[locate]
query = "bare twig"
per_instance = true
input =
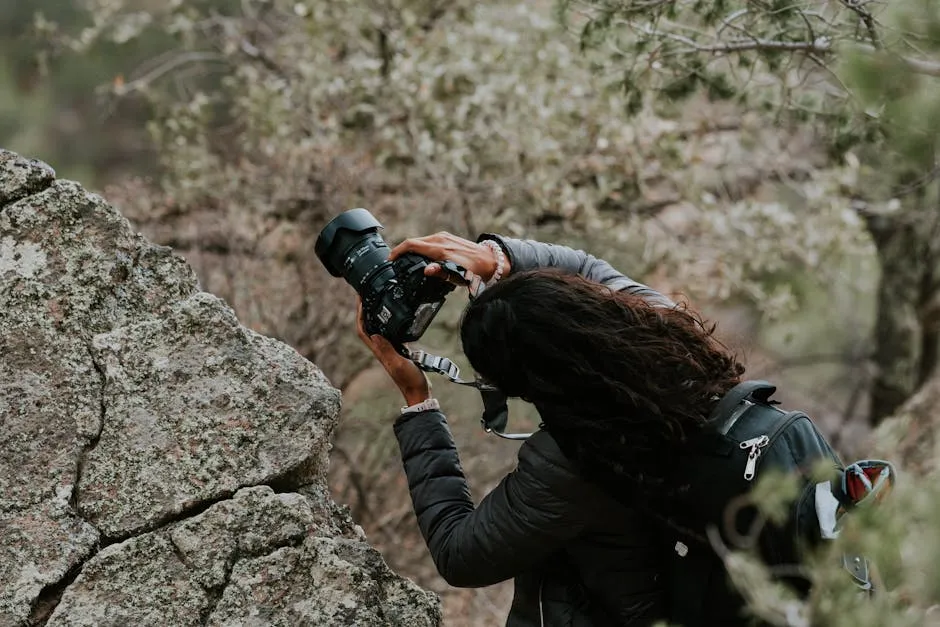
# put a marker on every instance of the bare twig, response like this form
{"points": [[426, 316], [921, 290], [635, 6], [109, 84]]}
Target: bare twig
{"points": [[918, 183], [809, 26], [867, 19], [820, 46], [817, 46], [259, 55], [171, 64], [727, 22]]}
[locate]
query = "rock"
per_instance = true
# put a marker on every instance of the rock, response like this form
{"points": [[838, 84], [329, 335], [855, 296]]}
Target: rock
{"points": [[195, 407], [270, 589], [49, 399], [259, 558], [20, 177], [265, 268], [909, 437], [159, 462]]}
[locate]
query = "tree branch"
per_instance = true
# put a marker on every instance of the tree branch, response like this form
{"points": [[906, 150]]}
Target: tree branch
{"points": [[918, 66], [820, 45], [252, 51], [179, 60], [867, 19]]}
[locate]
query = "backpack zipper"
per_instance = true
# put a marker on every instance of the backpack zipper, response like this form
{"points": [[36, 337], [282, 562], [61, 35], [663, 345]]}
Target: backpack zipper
{"points": [[755, 445]]}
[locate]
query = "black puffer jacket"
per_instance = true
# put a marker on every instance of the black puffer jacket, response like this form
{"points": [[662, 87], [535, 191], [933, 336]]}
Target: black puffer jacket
{"points": [[578, 557]]}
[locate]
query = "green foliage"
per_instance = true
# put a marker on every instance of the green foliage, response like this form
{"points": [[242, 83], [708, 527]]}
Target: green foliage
{"points": [[900, 83], [50, 100], [489, 102], [774, 54]]}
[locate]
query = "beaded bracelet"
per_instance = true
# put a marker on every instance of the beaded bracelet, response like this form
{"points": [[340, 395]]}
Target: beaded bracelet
{"points": [[500, 260]]}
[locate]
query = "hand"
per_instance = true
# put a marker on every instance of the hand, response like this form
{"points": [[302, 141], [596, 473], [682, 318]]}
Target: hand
{"points": [[476, 258], [407, 376]]}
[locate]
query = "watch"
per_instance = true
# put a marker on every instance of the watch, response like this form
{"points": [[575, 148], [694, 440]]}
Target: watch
{"points": [[425, 405]]}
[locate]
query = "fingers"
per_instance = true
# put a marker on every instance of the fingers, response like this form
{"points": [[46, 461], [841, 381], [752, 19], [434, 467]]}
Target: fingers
{"points": [[419, 245], [435, 270], [376, 343], [434, 246]]}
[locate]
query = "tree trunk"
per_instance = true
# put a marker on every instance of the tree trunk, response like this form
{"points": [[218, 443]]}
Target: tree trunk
{"points": [[907, 336]]}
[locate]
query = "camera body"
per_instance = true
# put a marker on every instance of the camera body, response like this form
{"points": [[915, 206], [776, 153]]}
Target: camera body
{"points": [[398, 300]]}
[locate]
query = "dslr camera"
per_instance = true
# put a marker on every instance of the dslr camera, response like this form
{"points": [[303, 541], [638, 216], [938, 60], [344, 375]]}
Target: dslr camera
{"points": [[398, 300]]}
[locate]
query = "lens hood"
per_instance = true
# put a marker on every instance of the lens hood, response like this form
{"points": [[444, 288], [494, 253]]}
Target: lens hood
{"points": [[355, 220]]}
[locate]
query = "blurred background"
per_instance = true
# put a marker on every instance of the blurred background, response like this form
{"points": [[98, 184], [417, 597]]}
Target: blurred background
{"points": [[772, 163]]}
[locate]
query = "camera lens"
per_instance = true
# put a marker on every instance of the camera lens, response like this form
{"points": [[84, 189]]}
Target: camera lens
{"points": [[398, 300], [351, 247]]}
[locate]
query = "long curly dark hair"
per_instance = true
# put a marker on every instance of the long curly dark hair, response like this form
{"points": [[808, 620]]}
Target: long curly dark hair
{"points": [[619, 382]]}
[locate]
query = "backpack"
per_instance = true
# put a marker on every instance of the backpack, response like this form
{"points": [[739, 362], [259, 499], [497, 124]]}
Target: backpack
{"points": [[745, 437]]}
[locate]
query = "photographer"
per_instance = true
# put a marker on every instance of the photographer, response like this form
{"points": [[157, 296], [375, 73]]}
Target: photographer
{"points": [[616, 373]]}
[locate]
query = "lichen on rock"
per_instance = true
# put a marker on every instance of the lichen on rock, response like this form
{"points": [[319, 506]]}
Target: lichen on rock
{"points": [[197, 406], [159, 463], [258, 558]]}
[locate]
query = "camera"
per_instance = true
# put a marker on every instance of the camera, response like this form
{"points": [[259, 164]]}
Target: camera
{"points": [[398, 300]]}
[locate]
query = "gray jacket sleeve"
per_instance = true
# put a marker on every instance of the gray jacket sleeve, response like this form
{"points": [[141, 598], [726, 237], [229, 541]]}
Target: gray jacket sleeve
{"points": [[526, 254]]}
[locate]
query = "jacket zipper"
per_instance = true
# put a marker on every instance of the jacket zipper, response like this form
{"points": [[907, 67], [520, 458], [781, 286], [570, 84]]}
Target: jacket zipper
{"points": [[541, 610]]}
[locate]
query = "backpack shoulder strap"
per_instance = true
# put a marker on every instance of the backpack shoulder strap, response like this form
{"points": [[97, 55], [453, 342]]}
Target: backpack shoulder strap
{"points": [[736, 401]]}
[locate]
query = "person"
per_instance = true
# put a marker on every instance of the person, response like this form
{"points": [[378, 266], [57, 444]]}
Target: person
{"points": [[618, 372]]}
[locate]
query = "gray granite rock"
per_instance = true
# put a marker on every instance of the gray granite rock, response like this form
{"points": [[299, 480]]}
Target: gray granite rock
{"points": [[21, 177], [197, 406], [353, 584], [160, 464], [259, 558]]}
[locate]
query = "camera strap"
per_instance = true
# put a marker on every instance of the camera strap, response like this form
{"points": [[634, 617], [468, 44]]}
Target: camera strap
{"points": [[495, 404]]}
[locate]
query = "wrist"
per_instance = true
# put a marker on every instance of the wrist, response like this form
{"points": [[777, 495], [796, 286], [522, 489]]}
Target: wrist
{"points": [[413, 397], [498, 263]]}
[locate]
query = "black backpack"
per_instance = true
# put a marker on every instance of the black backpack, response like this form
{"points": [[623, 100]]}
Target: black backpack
{"points": [[745, 437]]}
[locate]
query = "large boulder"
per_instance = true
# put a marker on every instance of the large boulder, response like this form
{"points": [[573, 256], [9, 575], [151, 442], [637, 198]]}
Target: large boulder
{"points": [[159, 463]]}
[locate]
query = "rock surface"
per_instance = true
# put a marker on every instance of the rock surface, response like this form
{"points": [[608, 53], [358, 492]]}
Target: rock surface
{"points": [[159, 463], [910, 436]]}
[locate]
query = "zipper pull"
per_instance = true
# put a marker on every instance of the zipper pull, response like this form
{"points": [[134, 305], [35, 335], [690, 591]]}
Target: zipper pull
{"points": [[755, 444]]}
